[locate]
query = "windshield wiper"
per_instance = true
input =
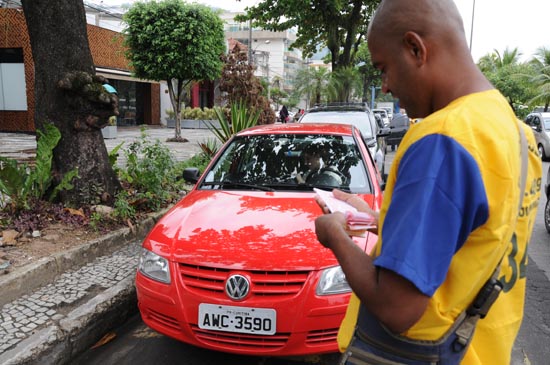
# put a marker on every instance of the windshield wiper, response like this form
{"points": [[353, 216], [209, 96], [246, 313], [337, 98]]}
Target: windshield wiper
{"points": [[238, 184], [307, 186]]}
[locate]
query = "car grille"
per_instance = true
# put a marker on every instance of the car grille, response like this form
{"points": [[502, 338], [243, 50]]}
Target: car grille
{"points": [[209, 280], [240, 340], [321, 337]]}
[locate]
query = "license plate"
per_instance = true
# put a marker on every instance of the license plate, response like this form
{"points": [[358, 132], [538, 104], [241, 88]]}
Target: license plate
{"points": [[258, 321]]}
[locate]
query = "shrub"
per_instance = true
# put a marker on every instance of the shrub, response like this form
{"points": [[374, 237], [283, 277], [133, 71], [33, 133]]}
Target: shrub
{"points": [[198, 114], [240, 118], [151, 173], [22, 183]]}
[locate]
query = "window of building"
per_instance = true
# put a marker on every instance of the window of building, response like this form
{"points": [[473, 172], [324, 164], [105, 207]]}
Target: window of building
{"points": [[13, 89]]}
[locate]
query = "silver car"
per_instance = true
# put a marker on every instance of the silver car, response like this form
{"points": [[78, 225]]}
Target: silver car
{"points": [[359, 115], [383, 114], [540, 122]]}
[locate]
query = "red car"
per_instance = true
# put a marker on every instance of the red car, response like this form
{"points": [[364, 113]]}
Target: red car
{"points": [[235, 266]]}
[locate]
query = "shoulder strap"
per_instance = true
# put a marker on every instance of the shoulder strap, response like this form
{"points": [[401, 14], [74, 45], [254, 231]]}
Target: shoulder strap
{"points": [[524, 154]]}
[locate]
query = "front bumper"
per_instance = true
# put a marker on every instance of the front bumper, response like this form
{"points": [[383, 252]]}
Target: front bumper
{"points": [[306, 323]]}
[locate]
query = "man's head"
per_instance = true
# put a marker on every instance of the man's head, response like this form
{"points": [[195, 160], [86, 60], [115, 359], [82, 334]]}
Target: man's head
{"points": [[421, 50]]}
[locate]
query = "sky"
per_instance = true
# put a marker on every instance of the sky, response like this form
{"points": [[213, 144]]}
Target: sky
{"points": [[498, 24]]}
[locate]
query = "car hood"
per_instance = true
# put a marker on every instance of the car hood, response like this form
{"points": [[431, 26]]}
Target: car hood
{"points": [[238, 230]]}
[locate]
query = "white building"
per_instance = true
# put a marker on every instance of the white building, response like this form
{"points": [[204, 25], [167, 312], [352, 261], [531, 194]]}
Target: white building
{"points": [[270, 51]]}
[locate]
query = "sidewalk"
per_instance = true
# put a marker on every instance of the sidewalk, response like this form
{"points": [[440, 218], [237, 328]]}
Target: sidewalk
{"points": [[56, 308], [21, 146]]}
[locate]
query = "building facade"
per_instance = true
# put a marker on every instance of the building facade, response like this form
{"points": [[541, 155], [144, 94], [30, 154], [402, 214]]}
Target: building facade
{"points": [[139, 99], [269, 51]]}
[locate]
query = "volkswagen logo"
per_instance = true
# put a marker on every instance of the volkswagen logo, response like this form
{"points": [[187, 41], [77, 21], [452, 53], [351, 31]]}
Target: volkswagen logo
{"points": [[237, 287]]}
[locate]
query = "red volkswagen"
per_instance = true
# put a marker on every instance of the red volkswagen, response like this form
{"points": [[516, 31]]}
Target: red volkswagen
{"points": [[235, 266]]}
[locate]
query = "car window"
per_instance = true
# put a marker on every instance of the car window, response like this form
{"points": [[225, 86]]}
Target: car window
{"points": [[547, 124], [359, 119], [276, 160]]}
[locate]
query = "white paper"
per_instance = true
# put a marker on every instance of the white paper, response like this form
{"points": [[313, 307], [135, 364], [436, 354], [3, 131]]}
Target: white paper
{"points": [[333, 204]]}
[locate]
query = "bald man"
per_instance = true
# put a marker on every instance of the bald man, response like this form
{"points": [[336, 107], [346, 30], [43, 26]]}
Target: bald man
{"points": [[450, 209]]}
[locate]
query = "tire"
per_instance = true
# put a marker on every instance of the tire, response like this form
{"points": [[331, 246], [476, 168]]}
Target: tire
{"points": [[547, 215]]}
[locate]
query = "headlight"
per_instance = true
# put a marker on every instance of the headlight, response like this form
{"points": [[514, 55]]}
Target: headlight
{"points": [[154, 266], [333, 281]]}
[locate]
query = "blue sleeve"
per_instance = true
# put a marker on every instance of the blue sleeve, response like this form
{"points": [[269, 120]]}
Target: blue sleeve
{"points": [[438, 199]]}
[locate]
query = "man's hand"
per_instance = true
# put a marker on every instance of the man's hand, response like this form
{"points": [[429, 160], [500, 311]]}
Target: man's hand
{"points": [[330, 228], [352, 199]]}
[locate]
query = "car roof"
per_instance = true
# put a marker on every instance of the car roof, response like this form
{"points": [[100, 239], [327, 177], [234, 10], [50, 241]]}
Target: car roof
{"points": [[299, 128], [340, 106]]}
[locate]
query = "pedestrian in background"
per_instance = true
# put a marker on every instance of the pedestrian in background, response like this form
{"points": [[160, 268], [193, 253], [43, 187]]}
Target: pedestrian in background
{"points": [[283, 114], [449, 226], [298, 114]]}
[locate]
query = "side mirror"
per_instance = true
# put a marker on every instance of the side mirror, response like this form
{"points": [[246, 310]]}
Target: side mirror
{"points": [[191, 175]]}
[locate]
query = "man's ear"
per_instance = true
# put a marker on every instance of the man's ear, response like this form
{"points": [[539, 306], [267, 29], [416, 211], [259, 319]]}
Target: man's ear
{"points": [[415, 47]]}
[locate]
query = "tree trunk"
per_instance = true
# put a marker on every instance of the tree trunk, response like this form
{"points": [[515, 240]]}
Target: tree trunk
{"points": [[71, 97]]}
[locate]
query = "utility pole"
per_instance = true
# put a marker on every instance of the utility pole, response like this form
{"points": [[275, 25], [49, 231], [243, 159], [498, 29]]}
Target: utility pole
{"points": [[472, 26], [268, 82], [250, 42]]}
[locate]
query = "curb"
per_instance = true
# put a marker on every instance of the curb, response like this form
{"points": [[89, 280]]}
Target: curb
{"points": [[62, 340]]}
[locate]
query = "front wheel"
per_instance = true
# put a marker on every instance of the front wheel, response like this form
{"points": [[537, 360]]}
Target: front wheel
{"points": [[547, 215]]}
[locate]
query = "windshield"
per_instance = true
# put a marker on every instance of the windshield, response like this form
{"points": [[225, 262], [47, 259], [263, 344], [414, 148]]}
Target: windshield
{"points": [[285, 162], [359, 119], [546, 124]]}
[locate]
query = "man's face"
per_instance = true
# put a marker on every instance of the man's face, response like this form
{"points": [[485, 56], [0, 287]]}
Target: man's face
{"points": [[398, 73], [312, 161]]}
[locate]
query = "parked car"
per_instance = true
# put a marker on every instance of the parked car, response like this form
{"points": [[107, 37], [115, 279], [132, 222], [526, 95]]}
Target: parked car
{"points": [[389, 111], [235, 266], [362, 117], [547, 207], [383, 114], [540, 122], [399, 125]]}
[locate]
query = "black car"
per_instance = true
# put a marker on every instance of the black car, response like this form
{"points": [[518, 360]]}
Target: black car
{"points": [[399, 125]]}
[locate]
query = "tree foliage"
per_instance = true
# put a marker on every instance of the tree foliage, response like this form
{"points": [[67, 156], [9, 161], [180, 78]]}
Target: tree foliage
{"points": [[541, 77], [241, 85], [174, 41], [510, 77], [339, 25], [312, 82], [345, 85], [370, 76]]}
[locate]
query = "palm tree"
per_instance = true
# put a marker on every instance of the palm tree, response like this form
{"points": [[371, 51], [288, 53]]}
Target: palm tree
{"points": [[312, 81], [541, 64], [508, 75], [345, 84], [495, 61]]}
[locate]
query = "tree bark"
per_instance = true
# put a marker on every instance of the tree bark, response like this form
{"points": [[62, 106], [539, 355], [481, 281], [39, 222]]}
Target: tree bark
{"points": [[71, 97]]}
